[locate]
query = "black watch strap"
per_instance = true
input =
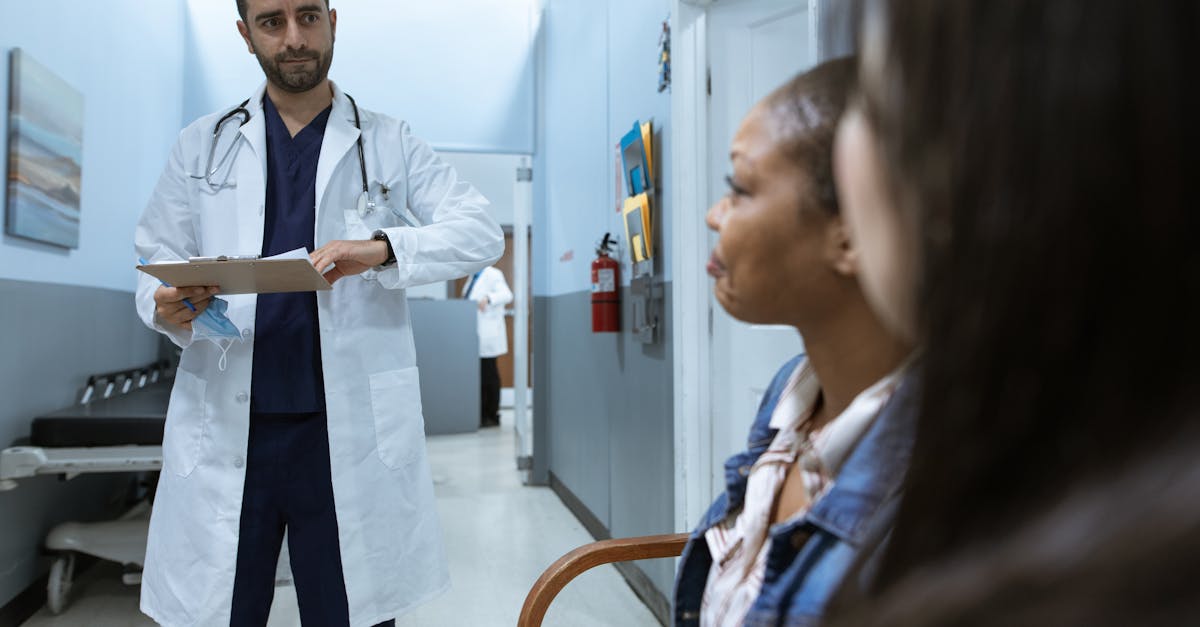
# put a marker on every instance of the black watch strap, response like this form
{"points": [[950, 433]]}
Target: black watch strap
{"points": [[391, 254]]}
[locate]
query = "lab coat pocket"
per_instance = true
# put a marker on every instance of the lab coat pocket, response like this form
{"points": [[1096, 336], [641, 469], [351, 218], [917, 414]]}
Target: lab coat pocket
{"points": [[356, 228], [186, 417], [396, 405]]}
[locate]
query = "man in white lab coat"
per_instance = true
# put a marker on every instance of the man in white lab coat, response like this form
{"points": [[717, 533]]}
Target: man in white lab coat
{"points": [[303, 412], [490, 291]]}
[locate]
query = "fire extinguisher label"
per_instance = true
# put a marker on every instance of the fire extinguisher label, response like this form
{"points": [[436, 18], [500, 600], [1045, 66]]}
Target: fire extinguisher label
{"points": [[606, 281]]}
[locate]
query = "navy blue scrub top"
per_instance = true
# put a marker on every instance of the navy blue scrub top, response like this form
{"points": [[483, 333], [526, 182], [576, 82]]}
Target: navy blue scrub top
{"points": [[287, 375]]}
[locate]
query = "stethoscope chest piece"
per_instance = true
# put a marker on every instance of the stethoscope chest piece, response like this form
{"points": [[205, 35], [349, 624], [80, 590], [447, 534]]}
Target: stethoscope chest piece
{"points": [[366, 205]]}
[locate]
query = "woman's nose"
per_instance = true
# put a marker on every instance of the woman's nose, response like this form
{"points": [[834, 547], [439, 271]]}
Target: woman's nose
{"points": [[715, 215]]}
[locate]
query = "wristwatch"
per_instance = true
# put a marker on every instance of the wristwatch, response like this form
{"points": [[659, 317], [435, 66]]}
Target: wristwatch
{"points": [[391, 254]]}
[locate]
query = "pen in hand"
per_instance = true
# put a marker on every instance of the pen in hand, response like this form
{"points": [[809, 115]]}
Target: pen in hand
{"points": [[143, 261]]}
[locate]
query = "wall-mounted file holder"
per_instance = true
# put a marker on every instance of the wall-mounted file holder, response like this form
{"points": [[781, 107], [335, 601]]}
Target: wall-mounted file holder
{"points": [[638, 215]]}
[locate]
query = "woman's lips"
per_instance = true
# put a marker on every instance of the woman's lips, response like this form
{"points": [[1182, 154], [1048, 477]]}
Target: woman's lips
{"points": [[715, 268]]}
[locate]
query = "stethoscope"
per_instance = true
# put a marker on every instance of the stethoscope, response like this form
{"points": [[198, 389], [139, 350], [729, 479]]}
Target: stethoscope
{"points": [[366, 204]]}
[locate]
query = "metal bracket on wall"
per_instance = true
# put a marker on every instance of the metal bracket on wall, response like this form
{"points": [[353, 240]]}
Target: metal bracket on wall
{"points": [[646, 298], [107, 383]]}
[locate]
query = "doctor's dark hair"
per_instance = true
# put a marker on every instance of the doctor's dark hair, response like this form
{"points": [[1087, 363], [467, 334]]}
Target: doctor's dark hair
{"points": [[241, 7], [1040, 146], [806, 111]]}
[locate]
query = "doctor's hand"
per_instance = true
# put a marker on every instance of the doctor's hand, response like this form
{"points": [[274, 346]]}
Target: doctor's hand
{"points": [[169, 305], [351, 256]]}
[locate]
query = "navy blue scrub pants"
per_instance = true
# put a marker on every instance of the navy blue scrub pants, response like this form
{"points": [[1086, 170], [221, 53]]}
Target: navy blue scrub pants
{"points": [[288, 486]]}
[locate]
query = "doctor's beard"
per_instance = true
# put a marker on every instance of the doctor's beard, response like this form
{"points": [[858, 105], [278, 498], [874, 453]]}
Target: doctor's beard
{"points": [[296, 81]]}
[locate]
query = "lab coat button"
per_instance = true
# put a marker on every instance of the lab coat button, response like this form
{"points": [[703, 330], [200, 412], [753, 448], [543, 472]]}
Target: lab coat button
{"points": [[247, 334], [238, 462], [242, 397]]}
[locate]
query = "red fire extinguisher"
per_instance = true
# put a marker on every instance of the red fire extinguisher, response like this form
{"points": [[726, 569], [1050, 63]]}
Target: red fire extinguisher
{"points": [[606, 281]]}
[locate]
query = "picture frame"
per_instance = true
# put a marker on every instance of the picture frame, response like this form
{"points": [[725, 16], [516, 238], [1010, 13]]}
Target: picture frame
{"points": [[45, 154]]}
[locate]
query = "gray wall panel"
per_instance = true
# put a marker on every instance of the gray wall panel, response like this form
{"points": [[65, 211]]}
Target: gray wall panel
{"points": [[642, 473], [51, 338], [605, 414], [544, 378], [839, 26], [447, 344], [583, 364]]}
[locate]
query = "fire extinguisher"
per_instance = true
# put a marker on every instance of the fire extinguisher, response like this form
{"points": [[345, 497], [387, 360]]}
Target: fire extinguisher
{"points": [[606, 280]]}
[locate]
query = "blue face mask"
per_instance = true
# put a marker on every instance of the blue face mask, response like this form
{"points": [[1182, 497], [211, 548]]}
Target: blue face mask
{"points": [[213, 325]]}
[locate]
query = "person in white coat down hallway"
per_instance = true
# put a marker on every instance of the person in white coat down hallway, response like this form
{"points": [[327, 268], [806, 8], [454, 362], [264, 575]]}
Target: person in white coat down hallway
{"points": [[490, 291], [300, 412]]}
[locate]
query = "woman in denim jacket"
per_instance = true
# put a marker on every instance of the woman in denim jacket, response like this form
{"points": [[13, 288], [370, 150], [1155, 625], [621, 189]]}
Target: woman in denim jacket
{"points": [[831, 440]]}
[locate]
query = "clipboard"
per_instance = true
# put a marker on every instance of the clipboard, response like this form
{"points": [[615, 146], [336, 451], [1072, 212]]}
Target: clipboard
{"points": [[242, 276]]}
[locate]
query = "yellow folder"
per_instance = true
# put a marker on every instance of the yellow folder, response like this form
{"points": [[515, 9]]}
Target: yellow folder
{"points": [[648, 146], [638, 230]]}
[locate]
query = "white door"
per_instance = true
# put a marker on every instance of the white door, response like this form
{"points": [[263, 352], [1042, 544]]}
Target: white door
{"points": [[753, 47]]}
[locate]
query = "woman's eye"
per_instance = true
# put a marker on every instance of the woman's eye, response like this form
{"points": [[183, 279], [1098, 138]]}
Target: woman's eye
{"points": [[734, 188]]}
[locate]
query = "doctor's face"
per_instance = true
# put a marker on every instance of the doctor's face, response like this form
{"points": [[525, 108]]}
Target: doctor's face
{"points": [[292, 39]]}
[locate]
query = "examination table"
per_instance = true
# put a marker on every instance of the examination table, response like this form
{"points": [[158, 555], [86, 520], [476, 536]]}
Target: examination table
{"points": [[117, 427]]}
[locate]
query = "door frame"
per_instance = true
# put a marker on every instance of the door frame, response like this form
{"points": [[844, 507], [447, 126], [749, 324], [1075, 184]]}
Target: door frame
{"points": [[689, 240], [691, 307]]}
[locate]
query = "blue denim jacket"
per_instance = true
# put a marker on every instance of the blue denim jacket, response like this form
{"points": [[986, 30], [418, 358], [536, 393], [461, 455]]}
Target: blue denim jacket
{"points": [[808, 557]]}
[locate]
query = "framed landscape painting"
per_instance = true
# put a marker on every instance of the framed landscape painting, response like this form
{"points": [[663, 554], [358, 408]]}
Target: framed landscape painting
{"points": [[45, 150]]}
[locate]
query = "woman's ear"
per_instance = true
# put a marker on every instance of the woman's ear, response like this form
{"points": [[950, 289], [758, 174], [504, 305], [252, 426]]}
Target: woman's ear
{"points": [[840, 250]]}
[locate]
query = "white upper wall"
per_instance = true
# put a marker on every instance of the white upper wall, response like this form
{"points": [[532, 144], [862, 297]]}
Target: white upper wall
{"points": [[125, 57], [461, 72], [494, 176]]}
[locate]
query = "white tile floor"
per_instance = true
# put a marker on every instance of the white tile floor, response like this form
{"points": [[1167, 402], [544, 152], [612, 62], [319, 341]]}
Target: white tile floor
{"points": [[500, 535]]}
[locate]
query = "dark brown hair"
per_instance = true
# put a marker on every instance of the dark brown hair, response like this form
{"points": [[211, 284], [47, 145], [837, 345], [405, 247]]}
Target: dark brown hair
{"points": [[1042, 147], [806, 110], [241, 6], [1082, 563]]}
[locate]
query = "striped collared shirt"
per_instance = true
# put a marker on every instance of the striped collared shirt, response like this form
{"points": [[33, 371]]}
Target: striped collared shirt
{"points": [[739, 546]]}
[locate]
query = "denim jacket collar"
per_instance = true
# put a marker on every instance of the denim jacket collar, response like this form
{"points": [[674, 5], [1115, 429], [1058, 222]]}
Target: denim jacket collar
{"points": [[737, 468], [802, 577], [873, 473]]}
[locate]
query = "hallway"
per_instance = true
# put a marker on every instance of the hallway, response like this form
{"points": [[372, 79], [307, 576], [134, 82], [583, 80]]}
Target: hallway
{"points": [[500, 535]]}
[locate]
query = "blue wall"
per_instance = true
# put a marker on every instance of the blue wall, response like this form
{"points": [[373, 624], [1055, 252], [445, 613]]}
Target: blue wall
{"points": [[125, 57], [603, 402], [64, 314], [461, 73], [599, 75]]}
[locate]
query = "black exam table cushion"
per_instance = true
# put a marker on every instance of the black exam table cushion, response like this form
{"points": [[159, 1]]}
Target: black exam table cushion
{"points": [[124, 419]]}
